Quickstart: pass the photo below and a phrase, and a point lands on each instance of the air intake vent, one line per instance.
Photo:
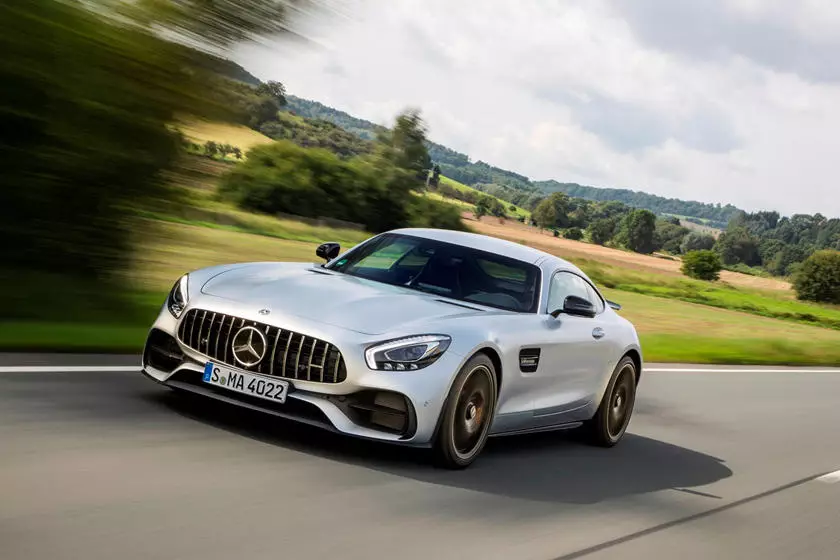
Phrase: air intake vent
(529, 360)
(287, 354)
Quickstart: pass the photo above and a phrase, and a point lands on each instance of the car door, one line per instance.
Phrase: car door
(574, 351)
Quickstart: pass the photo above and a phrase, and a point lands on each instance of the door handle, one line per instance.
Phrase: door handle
(598, 333)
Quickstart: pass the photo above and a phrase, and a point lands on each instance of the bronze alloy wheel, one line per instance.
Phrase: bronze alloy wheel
(471, 412)
(610, 422)
(468, 414)
(621, 402)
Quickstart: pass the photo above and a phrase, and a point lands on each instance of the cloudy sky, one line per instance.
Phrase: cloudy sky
(714, 100)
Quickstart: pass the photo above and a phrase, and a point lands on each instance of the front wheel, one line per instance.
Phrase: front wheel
(607, 427)
(467, 414)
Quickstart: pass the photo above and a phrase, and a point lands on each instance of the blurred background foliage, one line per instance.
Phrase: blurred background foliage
(91, 99)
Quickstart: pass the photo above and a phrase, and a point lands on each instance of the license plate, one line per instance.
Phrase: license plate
(269, 388)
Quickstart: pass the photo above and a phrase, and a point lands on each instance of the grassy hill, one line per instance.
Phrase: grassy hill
(459, 167)
(222, 133)
(467, 195)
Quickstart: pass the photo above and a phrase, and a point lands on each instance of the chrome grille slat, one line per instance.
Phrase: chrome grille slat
(297, 358)
(286, 353)
(337, 364)
(227, 340)
(219, 335)
(324, 359)
(200, 328)
(210, 334)
(311, 355)
(274, 351)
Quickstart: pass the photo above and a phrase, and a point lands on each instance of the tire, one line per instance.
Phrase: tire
(467, 414)
(610, 422)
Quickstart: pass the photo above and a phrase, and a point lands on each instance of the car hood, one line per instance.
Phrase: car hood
(336, 299)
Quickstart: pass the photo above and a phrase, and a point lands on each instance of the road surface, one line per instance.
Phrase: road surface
(720, 462)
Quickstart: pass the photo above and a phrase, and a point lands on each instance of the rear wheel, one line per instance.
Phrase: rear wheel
(610, 422)
(467, 414)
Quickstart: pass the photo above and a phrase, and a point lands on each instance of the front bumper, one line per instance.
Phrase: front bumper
(362, 405)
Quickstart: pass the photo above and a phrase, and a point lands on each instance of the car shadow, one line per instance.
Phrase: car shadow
(550, 466)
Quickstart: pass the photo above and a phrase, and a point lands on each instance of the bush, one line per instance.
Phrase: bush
(574, 234)
(84, 110)
(818, 279)
(703, 265)
(313, 182)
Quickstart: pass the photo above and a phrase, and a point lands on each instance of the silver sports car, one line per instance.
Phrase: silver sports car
(421, 337)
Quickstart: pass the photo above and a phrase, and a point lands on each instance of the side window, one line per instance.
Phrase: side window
(565, 284)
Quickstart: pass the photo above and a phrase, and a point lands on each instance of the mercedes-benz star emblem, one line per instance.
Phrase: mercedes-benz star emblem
(249, 346)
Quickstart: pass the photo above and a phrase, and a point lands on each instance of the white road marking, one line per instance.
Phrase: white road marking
(829, 478)
(64, 369)
(740, 370)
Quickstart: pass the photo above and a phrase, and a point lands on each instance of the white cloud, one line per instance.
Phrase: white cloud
(595, 92)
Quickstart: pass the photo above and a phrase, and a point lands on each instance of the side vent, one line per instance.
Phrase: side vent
(529, 360)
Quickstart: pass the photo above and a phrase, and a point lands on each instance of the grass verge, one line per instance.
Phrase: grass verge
(714, 294)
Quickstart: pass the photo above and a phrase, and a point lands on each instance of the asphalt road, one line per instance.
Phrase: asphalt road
(719, 463)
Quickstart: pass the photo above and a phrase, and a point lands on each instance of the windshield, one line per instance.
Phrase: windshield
(445, 269)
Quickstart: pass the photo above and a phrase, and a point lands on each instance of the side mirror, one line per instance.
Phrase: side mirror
(577, 306)
(328, 251)
(614, 305)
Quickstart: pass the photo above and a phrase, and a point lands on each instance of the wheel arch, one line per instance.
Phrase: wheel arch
(636, 356)
(494, 356)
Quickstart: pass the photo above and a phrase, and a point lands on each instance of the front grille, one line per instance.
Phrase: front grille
(288, 354)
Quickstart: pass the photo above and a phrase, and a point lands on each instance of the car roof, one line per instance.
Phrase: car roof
(488, 244)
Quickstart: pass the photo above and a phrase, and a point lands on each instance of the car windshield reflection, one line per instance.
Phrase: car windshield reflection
(445, 269)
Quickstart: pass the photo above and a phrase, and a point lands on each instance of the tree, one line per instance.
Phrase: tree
(668, 236)
(90, 90)
(696, 241)
(736, 245)
(703, 265)
(274, 89)
(405, 145)
(553, 211)
(574, 234)
(221, 24)
(211, 148)
(435, 179)
(497, 208)
(260, 110)
(544, 215)
(637, 231)
(481, 207)
(601, 231)
(237, 152)
(818, 278)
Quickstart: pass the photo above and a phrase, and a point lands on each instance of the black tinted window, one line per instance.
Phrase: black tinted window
(445, 269)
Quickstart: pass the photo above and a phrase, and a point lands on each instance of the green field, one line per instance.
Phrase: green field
(236, 135)
(516, 213)
(766, 303)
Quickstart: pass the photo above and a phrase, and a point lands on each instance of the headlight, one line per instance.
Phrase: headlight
(407, 354)
(178, 297)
